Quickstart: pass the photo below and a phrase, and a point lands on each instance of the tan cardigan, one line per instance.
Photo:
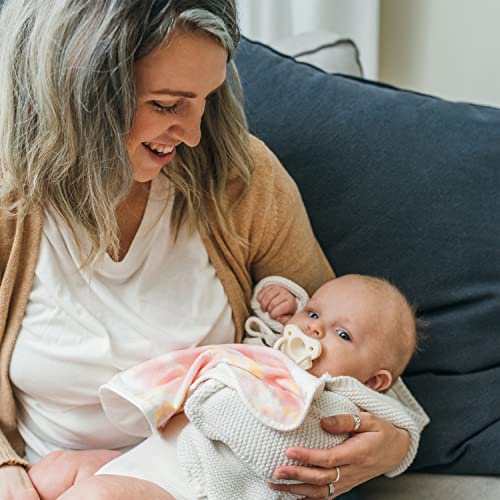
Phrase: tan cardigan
(270, 216)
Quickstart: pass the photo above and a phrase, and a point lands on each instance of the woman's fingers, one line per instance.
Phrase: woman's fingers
(375, 443)
(313, 490)
(303, 490)
(315, 475)
(355, 450)
(316, 479)
(320, 457)
(351, 451)
(339, 424)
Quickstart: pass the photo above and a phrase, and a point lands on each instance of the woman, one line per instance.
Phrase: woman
(137, 212)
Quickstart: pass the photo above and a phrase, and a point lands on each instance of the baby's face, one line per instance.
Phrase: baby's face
(346, 316)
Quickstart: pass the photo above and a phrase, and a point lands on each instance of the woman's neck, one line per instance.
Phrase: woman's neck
(129, 214)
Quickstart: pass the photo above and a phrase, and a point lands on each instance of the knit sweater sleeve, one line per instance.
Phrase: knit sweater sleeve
(284, 243)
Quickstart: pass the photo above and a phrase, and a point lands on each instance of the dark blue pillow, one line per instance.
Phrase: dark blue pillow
(404, 186)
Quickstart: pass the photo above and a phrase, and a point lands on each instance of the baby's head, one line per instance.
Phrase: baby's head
(366, 327)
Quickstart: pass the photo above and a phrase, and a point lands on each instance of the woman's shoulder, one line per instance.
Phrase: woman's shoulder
(270, 193)
(8, 224)
(264, 158)
(268, 174)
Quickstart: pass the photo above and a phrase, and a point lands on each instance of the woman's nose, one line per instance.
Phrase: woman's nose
(188, 127)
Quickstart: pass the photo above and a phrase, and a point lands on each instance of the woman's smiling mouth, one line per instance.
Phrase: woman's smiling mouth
(158, 149)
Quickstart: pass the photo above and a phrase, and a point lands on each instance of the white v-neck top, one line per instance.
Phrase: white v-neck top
(78, 331)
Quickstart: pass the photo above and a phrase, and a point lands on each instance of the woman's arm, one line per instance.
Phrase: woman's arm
(375, 448)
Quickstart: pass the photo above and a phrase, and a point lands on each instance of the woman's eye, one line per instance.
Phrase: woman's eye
(343, 334)
(165, 109)
(313, 315)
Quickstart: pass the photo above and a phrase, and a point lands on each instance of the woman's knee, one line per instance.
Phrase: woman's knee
(95, 487)
(110, 487)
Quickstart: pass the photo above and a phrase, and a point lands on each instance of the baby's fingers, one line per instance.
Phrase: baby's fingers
(286, 307)
(267, 295)
(283, 319)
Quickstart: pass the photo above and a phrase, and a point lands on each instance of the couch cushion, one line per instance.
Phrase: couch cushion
(431, 487)
(328, 51)
(405, 186)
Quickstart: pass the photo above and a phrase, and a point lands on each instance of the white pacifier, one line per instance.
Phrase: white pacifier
(298, 346)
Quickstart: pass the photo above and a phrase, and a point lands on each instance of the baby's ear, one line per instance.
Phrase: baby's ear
(381, 381)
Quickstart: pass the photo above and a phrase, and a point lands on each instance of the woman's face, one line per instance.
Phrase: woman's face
(173, 83)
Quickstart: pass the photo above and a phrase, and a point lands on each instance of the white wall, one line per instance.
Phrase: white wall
(449, 48)
(271, 20)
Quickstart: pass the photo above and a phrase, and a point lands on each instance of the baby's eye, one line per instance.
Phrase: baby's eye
(313, 315)
(343, 334)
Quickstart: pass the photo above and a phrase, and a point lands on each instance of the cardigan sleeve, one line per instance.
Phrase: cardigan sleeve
(284, 242)
(8, 456)
(19, 244)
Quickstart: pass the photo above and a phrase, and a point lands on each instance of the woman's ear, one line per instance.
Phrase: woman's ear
(381, 381)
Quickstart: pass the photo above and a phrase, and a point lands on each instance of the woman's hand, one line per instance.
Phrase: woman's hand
(15, 484)
(375, 448)
(60, 470)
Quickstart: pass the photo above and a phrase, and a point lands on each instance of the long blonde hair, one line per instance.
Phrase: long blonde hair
(68, 101)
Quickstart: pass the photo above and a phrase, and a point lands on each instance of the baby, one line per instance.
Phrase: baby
(366, 330)
(360, 332)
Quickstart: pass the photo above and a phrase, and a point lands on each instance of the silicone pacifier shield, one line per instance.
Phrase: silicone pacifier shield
(298, 346)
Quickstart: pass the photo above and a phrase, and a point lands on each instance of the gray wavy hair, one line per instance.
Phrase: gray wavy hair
(68, 101)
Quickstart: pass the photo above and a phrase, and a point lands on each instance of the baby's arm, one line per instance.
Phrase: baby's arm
(278, 302)
(60, 470)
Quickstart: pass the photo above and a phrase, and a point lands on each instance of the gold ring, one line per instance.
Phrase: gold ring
(331, 491)
(357, 422)
(338, 475)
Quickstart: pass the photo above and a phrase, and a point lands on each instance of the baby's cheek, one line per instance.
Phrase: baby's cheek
(317, 368)
(296, 320)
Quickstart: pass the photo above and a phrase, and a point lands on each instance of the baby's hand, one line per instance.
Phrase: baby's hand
(278, 302)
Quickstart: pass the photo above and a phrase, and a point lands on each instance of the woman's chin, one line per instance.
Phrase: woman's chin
(146, 176)
(147, 172)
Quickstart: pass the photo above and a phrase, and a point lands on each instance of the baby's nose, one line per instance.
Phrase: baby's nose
(316, 329)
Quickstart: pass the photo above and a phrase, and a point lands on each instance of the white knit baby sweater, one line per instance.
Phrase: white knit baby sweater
(231, 454)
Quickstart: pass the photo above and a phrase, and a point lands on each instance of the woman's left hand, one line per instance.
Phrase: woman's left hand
(375, 448)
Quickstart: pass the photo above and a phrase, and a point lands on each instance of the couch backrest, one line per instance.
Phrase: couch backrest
(404, 186)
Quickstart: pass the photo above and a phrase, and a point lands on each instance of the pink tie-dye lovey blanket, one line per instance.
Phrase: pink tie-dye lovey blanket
(142, 399)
